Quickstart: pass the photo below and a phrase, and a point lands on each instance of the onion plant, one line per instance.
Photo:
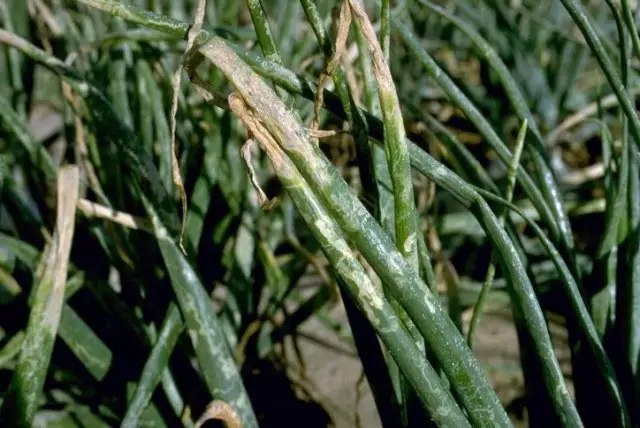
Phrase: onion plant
(154, 239)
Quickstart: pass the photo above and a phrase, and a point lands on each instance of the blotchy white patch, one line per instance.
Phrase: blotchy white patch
(188, 273)
(194, 337)
(409, 243)
(429, 303)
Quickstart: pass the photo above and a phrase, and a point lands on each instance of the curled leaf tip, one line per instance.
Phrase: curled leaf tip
(222, 411)
(263, 199)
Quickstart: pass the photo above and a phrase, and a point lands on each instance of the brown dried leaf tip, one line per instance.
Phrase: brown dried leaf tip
(263, 200)
(175, 167)
(220, 410)
(344, 22)
(264, 138)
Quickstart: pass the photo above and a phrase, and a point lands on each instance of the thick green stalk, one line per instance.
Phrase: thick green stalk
(263, 30)
(265, 36)
(315, 20)
(403, 281)
(384, 207)
(397, 154)
(395, 145)
(467, 165)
